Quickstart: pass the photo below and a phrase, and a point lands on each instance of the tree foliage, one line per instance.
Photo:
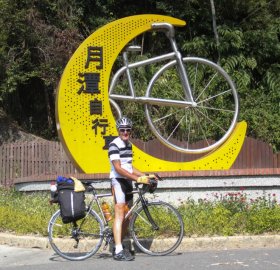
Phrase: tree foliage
(38, 37)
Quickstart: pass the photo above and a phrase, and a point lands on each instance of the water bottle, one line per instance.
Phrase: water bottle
(53, 190)
(126, 209)
(106, 211)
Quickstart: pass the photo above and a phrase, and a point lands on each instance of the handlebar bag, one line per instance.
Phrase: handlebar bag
(72, 203)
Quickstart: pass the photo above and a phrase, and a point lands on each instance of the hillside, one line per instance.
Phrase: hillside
(11, 132)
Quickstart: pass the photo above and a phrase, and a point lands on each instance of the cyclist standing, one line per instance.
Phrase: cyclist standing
(122, 175)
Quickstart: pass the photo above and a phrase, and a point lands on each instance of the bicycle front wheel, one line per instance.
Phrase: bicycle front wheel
(73, 242)
(193, 129)
(161, 236)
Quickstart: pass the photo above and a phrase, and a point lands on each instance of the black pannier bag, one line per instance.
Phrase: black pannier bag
(72, 203)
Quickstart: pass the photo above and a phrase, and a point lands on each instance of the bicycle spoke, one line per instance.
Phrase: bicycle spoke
(164, 117)
(215, 109)
(210, 98)
(189, 125)
(171, 90)
(206, 86)
(195, 77)
(144, 219)
(211, 121)
(189, 131)
(179, 96)
(202, 130)
(175, 128)
(56, 224)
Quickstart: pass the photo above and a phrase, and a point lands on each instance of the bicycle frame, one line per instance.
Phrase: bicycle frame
(140, 199)
(107, 232)
(174, 56)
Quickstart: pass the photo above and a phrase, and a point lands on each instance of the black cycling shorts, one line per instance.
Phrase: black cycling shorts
(122, 187)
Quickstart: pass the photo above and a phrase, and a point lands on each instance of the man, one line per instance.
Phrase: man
(122, 175)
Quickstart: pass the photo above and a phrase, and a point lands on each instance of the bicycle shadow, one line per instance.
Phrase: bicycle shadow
(56, 258)
(128, 244)
(134, 250)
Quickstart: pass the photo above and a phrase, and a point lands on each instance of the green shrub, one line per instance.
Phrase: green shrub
(231, 214)
(25, 213)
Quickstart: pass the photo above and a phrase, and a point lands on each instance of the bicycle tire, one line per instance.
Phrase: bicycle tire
(89, 233)
(201, 128)
(161, 241)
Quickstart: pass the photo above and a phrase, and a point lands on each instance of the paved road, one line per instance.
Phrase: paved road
(13, 258)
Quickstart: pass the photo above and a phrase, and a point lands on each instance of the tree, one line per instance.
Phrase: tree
(34, 52)
(213, 11)
(37, 37)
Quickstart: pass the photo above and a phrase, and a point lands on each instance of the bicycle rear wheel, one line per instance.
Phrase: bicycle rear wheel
(76, 242)
(193, 129)
(163, 240)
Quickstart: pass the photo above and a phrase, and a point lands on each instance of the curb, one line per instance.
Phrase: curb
(188, 244)
(230, 242)
(24, 241)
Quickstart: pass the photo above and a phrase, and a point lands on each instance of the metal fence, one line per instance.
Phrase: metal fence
(38, 159)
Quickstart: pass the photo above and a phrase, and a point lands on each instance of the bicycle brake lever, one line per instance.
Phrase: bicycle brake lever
(158, 177)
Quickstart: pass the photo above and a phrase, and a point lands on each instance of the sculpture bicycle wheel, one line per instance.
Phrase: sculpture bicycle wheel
(211, 120)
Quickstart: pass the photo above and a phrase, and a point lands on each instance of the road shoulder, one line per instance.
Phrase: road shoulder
(188, 244)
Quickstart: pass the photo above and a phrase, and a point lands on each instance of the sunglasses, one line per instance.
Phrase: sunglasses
(122, 130)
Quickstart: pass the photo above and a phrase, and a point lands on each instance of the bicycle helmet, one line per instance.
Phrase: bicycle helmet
(124, 122)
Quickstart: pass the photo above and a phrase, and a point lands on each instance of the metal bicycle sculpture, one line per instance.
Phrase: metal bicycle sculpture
(187, 100)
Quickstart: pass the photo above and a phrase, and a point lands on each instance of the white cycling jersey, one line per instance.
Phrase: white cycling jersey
(120, 150)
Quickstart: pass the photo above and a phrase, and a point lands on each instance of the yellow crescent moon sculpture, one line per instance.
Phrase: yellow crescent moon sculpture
(84, 118)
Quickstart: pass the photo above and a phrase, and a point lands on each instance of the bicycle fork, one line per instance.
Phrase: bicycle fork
(146, 210)
(169, 31)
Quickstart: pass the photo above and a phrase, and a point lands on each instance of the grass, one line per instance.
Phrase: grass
(232, 214)
(23, 213)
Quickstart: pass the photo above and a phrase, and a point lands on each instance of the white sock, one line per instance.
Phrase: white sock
(119, 248)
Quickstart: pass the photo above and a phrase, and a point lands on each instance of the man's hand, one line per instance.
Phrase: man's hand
(143, 180)
(153, 176)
